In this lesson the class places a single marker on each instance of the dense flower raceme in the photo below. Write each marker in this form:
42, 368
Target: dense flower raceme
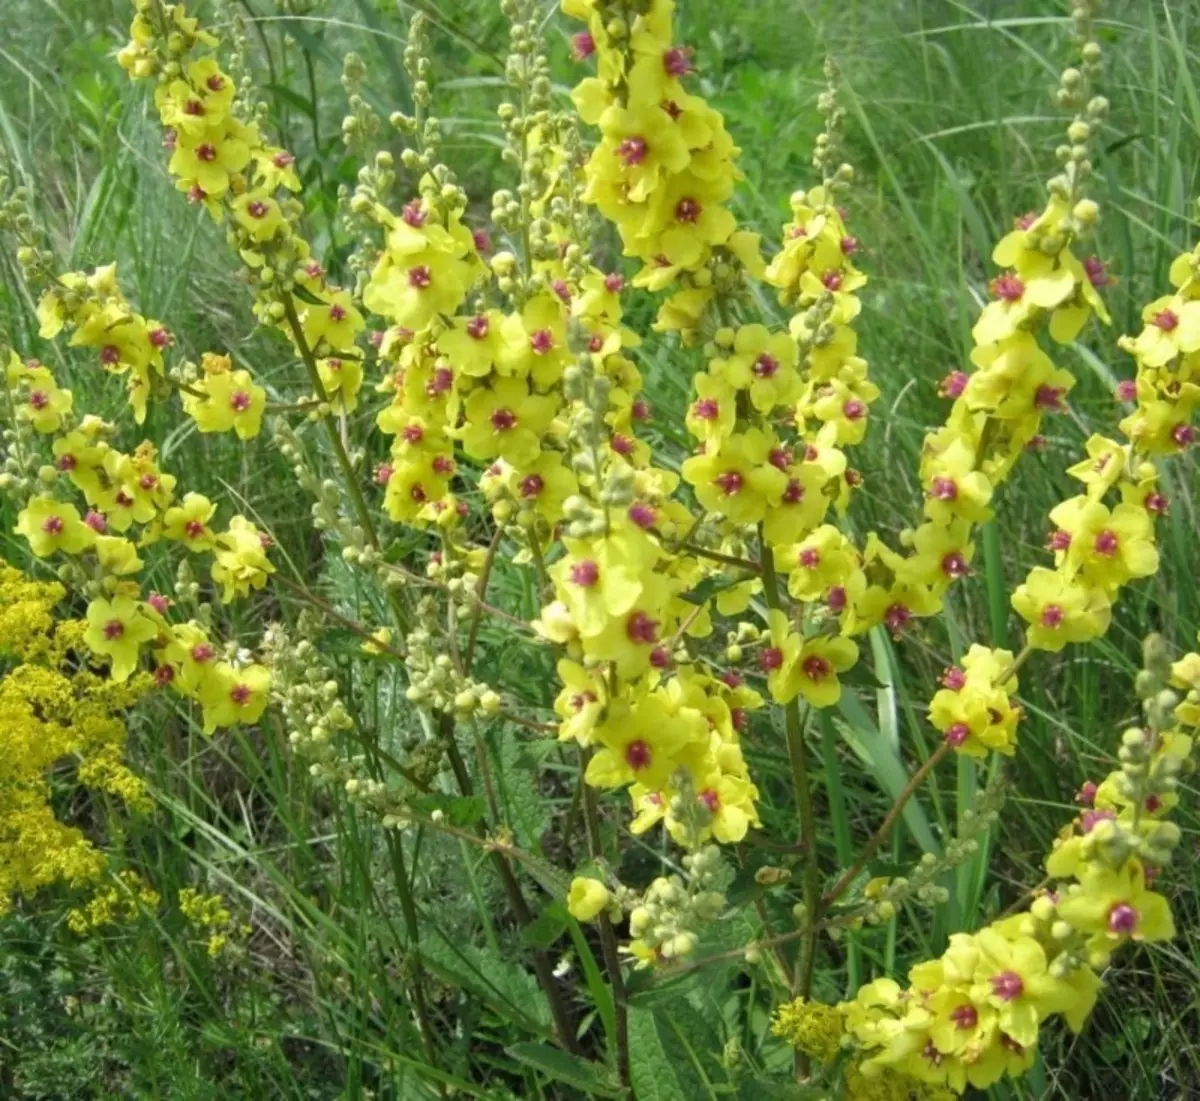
542, 397
55, 707
974, 1014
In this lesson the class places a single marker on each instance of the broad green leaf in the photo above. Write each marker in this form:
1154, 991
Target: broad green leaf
595, 1080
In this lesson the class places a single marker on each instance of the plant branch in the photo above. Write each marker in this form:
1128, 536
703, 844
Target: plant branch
885, 827
339, 449
798, 760
608, 940
480, 592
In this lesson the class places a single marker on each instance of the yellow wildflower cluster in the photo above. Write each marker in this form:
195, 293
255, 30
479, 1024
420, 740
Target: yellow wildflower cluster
1098, 548
115, 903
210, 916
521, 367
665, 166
129, 506
974, 1015
221, 160
92, 308
54, 709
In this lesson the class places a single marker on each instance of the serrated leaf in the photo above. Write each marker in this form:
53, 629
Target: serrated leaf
595, 1080
525, 810
459, 810
509, 989
663, 1065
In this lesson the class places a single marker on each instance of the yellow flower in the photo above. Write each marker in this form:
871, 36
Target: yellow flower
641, 144
425, 270
825, 558
1109, 548
229, 696
116, 630
205, 160
587, 899
1113, 906
1060, 610
953, 487
1012, 977
1172, 327
241, 562
259, 215
332, 325
737, 478
230, 399
507, 420
601, 579
51, 525
764, 363
641, 742
188, 523
1039, 284
190, 655
44, 402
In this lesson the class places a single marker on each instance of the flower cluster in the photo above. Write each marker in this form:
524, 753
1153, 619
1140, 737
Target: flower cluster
665, 167
92, 308
974, 1015
505, 381
211, 917
54, 708
130, 506
220, 158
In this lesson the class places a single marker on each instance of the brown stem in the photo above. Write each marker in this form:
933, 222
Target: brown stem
608, 940
885, 827
726, 559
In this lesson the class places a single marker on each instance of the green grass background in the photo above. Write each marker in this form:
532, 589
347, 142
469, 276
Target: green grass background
953, 133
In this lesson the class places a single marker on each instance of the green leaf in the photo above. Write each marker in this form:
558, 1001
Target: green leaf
459, 810
510, 990
708, 588
594, 1079
516, 773
873, 749
663, 1064
305, 295
547, 927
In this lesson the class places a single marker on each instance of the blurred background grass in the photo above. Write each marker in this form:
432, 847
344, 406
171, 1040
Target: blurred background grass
952, 131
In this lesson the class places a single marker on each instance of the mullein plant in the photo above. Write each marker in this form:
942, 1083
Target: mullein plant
678, 597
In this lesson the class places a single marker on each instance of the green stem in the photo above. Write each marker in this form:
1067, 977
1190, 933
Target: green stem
480, 593
798, 759
339, 449
608, 940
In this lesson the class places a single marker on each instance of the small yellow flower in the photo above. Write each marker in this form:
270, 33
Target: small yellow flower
587, 899
116, 629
